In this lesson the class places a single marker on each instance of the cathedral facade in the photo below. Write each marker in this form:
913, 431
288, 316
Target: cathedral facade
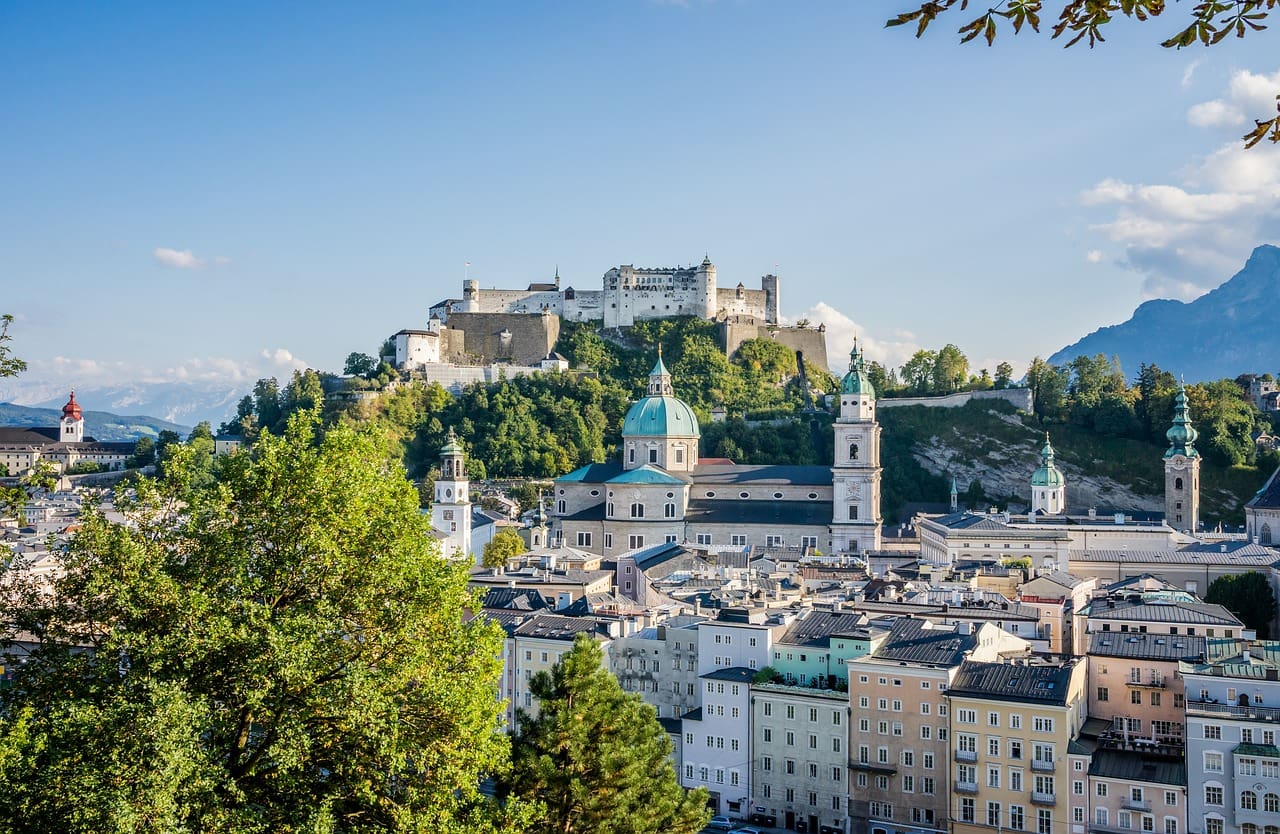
661, 490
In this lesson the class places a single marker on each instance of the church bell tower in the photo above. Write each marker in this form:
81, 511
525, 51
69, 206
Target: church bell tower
855, 477
1182, 469
451, 509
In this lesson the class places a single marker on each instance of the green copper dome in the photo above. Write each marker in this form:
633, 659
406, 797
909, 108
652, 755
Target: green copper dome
660, 413
1182, 435
857, 380
660, 416
1047, 475
451, 446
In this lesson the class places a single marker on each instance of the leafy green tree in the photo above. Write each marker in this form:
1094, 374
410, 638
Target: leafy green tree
281, 651
1004, 376
202, 431
505, 545
596, 756
1048, 384
144, 453
266, 403
950, 370
10, 365
1083, 20
1249, 597
360, 364
917, 373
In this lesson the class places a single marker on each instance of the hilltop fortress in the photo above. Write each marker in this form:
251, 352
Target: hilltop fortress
628, 294
489, 333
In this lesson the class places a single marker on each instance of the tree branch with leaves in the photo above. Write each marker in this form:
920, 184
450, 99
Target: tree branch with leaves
1212, 22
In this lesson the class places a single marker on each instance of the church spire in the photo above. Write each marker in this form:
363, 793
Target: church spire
1181, 435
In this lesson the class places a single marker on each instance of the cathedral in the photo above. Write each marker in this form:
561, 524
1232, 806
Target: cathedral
661, 490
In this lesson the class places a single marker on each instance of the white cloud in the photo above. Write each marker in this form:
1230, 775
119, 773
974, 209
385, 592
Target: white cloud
1094, 256
177, 258
841, 331
1214, 113
1190, 71
185, 258
212, 370
1248, 95
1188, 236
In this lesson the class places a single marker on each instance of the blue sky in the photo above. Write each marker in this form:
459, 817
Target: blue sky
219, 191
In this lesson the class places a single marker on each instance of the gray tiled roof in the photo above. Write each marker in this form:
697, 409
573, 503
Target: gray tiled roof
1034, 683
737, 674
1190, 613
552, 627
1137, 767
744, 511
816, 627
782, 475
1145, 646
918, 641
1267, 498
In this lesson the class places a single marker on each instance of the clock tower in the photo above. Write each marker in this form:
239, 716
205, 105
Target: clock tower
855, 477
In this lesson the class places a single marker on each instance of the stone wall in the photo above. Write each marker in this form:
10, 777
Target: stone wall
518, 338
812, 342
1019, 397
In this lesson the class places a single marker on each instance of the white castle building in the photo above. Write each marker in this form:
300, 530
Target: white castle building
628, 294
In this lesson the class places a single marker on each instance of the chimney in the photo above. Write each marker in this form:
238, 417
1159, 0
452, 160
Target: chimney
1247, 658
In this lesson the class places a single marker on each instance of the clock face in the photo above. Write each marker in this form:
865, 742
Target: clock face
852, 490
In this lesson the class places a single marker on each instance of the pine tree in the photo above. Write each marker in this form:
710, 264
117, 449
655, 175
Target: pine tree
596, 756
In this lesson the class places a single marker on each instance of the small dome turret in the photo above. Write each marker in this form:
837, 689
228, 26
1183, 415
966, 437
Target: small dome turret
1047, 475
857, 380
71, 411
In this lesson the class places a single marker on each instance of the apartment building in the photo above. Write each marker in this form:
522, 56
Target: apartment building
800, 755
1011, 724
1176, 614
1135, 686
899, 735
661, 663
715, 750
1128, 792
1233, 725
1056, 596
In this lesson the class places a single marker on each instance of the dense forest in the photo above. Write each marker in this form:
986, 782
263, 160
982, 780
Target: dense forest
545, 425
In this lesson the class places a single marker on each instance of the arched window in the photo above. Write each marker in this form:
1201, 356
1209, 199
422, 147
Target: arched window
1177, 483
853, 451
1271, 803
560, 506
637, 510
609, 510
1248, 801
669, 511
1265, 535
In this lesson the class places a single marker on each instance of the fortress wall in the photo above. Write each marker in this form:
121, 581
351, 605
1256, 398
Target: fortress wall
810, 341
1020, 398
752, 303
518, 338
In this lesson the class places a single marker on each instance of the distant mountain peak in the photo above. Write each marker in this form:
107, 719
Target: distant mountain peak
1228, 331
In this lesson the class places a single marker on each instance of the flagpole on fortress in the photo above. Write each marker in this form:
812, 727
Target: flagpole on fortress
466, 271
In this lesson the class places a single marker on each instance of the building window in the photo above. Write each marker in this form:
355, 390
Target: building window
635, 542
703, 538
608, 539
584, 539
738, 541
653, 456
679, 454
1102, 693
1212, 794
853, 512
637, 510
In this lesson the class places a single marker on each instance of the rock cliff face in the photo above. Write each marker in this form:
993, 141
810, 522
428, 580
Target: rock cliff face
1226, 332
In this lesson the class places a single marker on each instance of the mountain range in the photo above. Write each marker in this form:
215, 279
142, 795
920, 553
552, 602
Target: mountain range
181, 403
99, 425
1228, 331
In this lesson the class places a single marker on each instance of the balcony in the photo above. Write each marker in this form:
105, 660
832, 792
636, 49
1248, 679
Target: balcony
1038, 798
967, 787
1042, 766
1151, 682
966, 755
1130, 804
1249, 712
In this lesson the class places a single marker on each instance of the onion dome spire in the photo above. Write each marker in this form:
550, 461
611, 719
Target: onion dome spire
1182, 435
